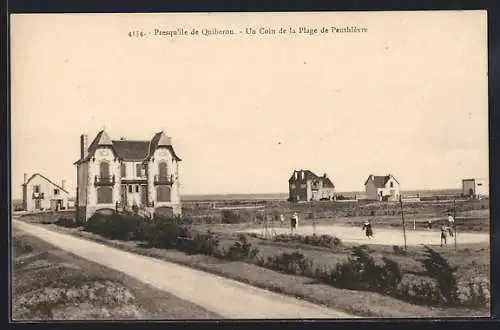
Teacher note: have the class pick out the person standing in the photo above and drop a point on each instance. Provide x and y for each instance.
(429, 224)
(367, 227)
(282, 219)
(451, 224)
(444, 232)
(294, 222)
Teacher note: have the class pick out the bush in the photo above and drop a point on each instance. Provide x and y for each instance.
(165, 233)
(443, 273)
(360, 272)
(115, 226)
(206, 244)
(327, 241)
(241, 250)
(291, 263)
(66, 222)
(396, 249)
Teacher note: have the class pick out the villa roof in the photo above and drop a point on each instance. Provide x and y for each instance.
(47, 179)
(130, 150)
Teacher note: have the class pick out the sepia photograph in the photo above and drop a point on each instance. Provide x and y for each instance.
(285, 165)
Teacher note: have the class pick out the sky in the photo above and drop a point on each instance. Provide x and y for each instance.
(407, 97)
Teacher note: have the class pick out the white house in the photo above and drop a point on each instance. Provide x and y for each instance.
(116, 175)
(475, 188)
(382, 188)
(40, 193)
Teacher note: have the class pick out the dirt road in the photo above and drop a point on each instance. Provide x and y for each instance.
(225, 297)
(384, 236)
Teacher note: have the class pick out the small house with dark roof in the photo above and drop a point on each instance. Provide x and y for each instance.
(382, 188)
(304, 185)
(119, 175)
(41, 193)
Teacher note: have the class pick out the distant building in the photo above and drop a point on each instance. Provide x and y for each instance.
(475, 188)
(40, 193)
(382, 188)
(115, 175)
(304, 185)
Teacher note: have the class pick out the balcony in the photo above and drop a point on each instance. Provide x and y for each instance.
(38, 195)
(164, 180)
(104, 180)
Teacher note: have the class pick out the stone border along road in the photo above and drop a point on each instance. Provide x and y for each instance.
(225, 297)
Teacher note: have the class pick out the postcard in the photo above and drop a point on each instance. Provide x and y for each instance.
(285, 165)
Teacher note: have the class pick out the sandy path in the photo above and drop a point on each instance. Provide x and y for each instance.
(225, 297)
(385, 236)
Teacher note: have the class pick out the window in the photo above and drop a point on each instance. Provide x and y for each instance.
(123, 170)
(138, 170)
(163, 194)
(36, 189)
(392, 184)
(104, 169)
(104, 195)
(137, 188)
(130, 188)
(162, 170)
(56, 191)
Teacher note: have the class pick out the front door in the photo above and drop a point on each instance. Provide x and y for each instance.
(37, 204)
(144, 195)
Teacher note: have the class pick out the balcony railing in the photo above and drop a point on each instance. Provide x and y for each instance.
(104, 180)
(164, 180)
(38, 195)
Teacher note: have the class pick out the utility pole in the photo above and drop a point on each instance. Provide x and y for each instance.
(454, 223)
(403, 220)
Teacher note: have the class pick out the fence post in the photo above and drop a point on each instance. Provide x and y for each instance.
(454, 223)
(403, 220)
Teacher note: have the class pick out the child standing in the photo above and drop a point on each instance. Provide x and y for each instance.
(444, 233)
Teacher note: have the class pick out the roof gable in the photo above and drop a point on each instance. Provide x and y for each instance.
(309, 175)
(46, 179)
(379, 181)
(160, 140)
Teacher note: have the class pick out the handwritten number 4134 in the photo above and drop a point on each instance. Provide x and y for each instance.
(136, 34)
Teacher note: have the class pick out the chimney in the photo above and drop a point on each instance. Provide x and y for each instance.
(324, 175)
(84, 145)
(122, 139)
(63, 184)
(25, 178)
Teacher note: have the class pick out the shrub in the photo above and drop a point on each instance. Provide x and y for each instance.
(114, 226)
(328, 241)
(241, 250)
(291, 263)
(396, 249)
(443, 273)
(166, 233)
(360, 272)
(66, 222)
(230, 217)
(207, 244)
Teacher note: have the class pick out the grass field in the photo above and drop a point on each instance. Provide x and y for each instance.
(472, 261)
(50, 284)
